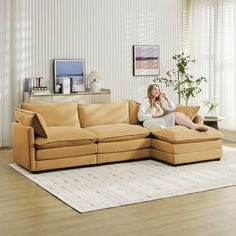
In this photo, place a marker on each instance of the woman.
(158, 110)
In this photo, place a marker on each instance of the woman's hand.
(156, 115)
(163, 94)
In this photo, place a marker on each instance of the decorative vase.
(211, 113)
(95, 86)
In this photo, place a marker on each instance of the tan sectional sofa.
(60, 135)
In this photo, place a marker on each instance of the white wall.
(102, 32)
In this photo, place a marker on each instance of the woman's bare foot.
(200, 127)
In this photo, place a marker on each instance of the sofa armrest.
(197, 119)
(23, 145)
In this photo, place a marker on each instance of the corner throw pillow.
(189, 111)
(33, 119)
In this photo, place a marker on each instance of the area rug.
(99, 187)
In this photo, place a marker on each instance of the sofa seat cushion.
(63, 136)
(177, 148)
(182, 158)
(65, 152)
(122, 146)
(118, 132)
(181, 134)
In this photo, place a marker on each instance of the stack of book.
(42, 90)
(34, 86)
(210, 117)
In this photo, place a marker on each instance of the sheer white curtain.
(212, 41)
(5, 81)
(12, 59)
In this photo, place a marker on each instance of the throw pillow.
(33, 119)
(189, 111)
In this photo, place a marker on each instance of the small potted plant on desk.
(211, 105)
(211, 119)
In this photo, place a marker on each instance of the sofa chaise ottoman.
(179, 145)
(61, 135)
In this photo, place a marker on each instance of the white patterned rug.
(99, 187)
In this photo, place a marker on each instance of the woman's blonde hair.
(149, 95)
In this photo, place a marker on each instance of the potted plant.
(182, 82)
(211, 105)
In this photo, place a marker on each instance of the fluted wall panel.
(100, 31)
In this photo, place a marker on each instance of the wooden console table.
(87, 97)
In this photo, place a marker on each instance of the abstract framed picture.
(72, 70)
(146, 60)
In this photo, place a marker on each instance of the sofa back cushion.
(56, 114)
(189, 111)
(133, 112)
(103, 114)
(34, 120)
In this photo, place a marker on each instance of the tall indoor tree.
(182, 82)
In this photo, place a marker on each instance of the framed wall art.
(146, 60)
(72, 70)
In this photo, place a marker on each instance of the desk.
(212, 121)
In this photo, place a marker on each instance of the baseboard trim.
(229, 135)
(230, 138)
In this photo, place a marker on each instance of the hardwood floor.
(27, 209)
